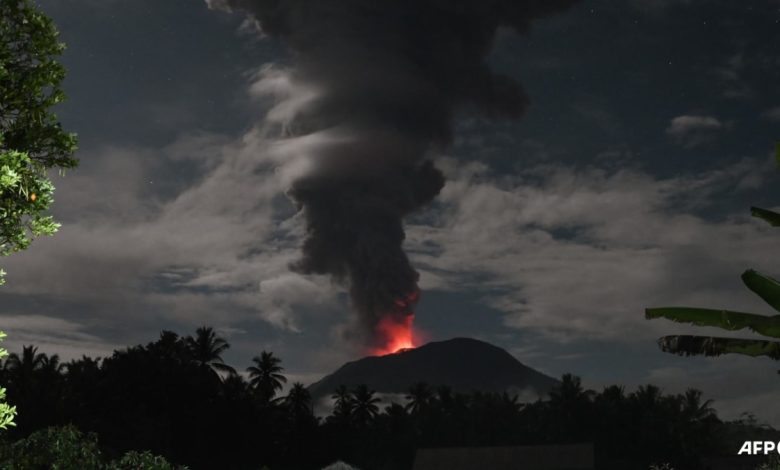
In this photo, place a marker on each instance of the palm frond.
(222, 367)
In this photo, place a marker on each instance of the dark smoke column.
(389, 76)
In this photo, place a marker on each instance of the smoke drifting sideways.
(379, 84)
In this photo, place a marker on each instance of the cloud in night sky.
(691, 130)
(772, 114)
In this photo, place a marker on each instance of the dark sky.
(625, 185)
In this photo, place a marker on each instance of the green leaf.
(773, 218)
(32, 140)
(725, 319)
(764, 286)
(689, 345)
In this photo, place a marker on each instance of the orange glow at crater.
(396, 333)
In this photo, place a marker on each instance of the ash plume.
(388, 76)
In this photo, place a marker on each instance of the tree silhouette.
(265, 376)
(21, 369)
(365, 406)
(343, 404)
(170, 346)
(234, 386)
(157, 398)
(647, 397)
(35, 383)
(51, 365)
(569, 393)
(571, 406)
(298, 401)
(24, 365)
(694, 409)
(206, 349)
(420, 396)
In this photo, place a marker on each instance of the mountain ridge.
(464, 364)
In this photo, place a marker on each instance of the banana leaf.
(764, 286)
(688, 345)
(726, 319)
(773, 218)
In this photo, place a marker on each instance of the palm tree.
(298, 401)
(51, 364)
(35, 387)
(22, 367)
(85, 365)
(647, 397)
(265, 376)
(50, 371)
(365, 406)
(343, 404)
(611, 401)
(206, 349)
(419, 396)
(571, 406)
(694, 409)
(234, 386)
(569, 393)
(170, 346)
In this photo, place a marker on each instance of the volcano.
(464, 364)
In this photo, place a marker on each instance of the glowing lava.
(396, 333)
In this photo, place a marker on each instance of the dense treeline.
(176, 398)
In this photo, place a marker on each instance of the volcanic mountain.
(464, 364)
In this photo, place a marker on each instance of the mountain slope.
(464, 364)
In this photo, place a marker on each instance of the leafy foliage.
(60, 448)
(31, 138)
(134, 460)
(7, 412)
(30, 79)
(68, 448)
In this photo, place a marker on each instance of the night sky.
(626, 184)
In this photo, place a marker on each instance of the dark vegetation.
(176, 398)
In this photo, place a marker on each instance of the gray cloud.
(213, 248)
(581, 254)
(694, 130)
(53, 336)
(772, 114)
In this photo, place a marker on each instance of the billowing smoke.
(386, 77)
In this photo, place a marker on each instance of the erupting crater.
(396, 334)
(394, 331)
